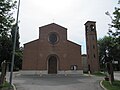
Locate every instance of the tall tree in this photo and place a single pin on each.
(107, 43)
(104, 43)
(6, 22)
(17, 36)
(114, 32)
(18, 49)
(115, 22)
(5, 48)
(6, 19)
(7, 32)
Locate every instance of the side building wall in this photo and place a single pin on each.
(30, 56)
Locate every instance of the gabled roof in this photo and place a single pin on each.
(31, 41)
(74, 43)
(53, 24)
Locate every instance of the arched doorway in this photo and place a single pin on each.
(52, 65)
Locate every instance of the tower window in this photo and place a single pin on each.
(92, 27)
(86, 28)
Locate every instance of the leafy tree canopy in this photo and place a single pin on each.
(115, 22)
(6, 18)
(6, 23)
(113, 54)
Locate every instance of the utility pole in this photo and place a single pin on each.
(14, 45)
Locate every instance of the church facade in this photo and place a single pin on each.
(52, 53)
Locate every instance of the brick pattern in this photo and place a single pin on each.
(91, 45)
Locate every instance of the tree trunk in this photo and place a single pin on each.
(111, 73)
(3, 72)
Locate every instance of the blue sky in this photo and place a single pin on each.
(71, 14)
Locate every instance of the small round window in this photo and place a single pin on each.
(53, 38)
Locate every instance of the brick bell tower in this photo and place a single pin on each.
(91, 46)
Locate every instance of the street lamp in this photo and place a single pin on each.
(14, 45)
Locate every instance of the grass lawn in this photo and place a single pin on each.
(114, 86)
(99, 74)
(6, 86)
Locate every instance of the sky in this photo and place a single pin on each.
(71, 14)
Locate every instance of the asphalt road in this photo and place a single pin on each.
(60, 82)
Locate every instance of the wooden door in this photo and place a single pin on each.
(52, 65)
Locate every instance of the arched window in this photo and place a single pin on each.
(92, 27)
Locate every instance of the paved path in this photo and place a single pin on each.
(53, 82)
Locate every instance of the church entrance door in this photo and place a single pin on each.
(52, 65)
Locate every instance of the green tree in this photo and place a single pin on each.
(5, 48)
(114, 48)
(6, 19)
(6, 23)
(19, 58)
(17, 36)
(115, 22)
(114, 31)
(104, 44)
(18, 50)
(107, 43)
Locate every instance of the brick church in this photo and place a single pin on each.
(52, 53)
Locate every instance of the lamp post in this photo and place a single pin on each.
(14, 45)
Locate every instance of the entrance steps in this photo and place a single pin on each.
(59, 73)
